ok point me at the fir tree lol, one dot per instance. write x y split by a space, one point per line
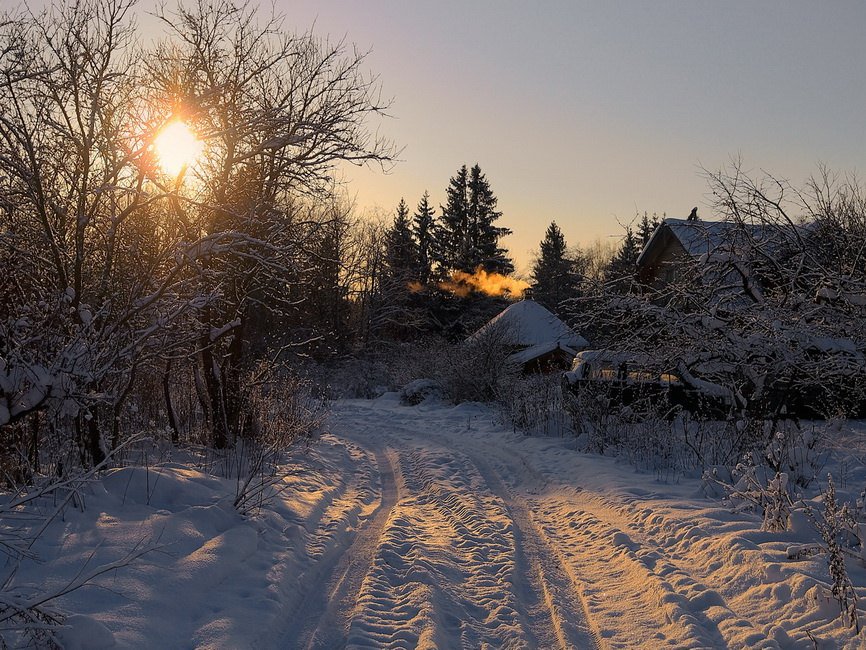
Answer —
624 264
401 256
423 224
555 273
646 228
483 236
467 237
397 314
451 233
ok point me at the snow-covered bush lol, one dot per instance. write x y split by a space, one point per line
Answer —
280 411
467 371
798 450
478 370
652 437
419 390
834 525
363 377
534 404
383 366
751 487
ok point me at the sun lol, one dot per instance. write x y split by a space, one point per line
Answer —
177 147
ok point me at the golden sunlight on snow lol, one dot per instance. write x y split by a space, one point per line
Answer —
177 147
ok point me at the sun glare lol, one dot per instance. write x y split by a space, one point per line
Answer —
177 147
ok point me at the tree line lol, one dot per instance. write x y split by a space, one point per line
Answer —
120 282
130 295
124 286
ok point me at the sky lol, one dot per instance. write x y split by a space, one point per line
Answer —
589 113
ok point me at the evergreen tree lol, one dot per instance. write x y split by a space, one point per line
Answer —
466 237
483 236
623 265
397 313
646 228
451 231
423 224
327 298
401 256
555 273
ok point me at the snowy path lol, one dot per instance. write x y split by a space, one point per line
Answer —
434 527
477 544
474 544
321 617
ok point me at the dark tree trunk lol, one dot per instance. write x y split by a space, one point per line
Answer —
33 447
216 400
89 439
169 406
235 397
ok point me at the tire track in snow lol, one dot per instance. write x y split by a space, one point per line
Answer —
548 595
334 514
601 564
503 565
555 610
320 618
562 553
660 545
442 572
600 559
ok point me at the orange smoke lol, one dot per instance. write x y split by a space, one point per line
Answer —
415 286
493 284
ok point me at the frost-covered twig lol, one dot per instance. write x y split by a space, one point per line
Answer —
832 527
772 500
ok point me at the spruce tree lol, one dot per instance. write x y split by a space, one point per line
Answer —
646 228
555 273
396 313
483 236
401 257
467 237
451 233
624 264
423 224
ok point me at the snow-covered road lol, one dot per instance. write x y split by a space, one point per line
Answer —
458 561
480 539
433 526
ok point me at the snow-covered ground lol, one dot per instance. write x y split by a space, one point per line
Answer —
432 526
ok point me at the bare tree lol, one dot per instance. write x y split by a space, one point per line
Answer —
277 112
112 267
90 288
770 310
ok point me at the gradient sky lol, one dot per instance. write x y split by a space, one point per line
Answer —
588 113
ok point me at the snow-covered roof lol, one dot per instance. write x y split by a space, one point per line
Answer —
701 238
535 351
526 323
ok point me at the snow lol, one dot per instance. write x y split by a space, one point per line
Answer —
717 241
433 526
538 350
526 323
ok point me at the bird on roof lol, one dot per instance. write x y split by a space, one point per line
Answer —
693 215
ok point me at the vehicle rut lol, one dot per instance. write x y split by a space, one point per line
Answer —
321 619
560 618
524 585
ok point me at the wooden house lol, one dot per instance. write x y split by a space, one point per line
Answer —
537 339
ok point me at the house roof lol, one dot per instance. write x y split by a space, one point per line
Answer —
701 238
535 351
526 323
